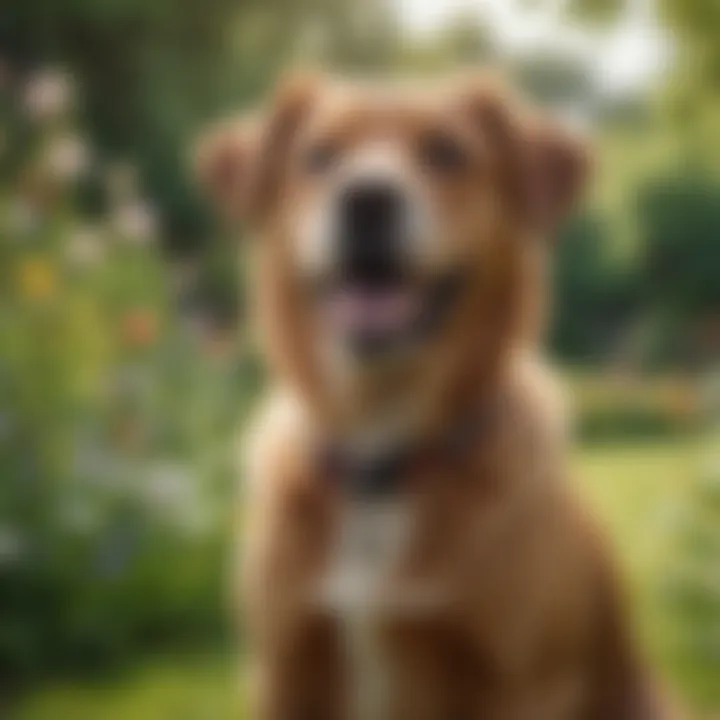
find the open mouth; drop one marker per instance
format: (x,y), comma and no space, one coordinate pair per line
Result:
(375,317)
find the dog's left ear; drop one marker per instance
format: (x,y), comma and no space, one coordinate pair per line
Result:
(541,166)
(240,163)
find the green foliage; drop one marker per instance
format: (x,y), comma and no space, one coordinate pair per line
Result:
(691,590)
(196,687)
(594,295)
(680,223)
(617,407)
(629,485)
(116,421)
(154,70)
(146,68)
(596,11)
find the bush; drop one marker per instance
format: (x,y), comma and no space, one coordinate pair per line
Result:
(679,218)
(619,406)
(595,298)
(117,413)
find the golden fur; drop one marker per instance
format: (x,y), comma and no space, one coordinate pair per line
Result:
(525,620)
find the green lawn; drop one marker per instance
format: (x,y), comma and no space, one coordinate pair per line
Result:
(633,486)
(201,688)
(636,490)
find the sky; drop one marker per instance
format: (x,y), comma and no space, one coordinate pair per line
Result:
(625,58)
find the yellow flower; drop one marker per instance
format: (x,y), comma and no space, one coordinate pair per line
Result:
(37,279)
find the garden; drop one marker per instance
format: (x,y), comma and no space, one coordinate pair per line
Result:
(126,368)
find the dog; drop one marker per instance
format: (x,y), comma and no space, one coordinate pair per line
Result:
(411,548)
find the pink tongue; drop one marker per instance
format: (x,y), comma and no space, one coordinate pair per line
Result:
(378,311)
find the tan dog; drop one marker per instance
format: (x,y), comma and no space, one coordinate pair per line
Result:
(411,549)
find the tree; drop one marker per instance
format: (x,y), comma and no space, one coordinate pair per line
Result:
(679,219)
(595,299)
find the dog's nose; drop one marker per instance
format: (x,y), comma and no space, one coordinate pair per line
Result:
(371,222)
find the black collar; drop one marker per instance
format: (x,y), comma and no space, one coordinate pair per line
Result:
(383,474)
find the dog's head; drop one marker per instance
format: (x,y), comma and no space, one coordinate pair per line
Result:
(389,217)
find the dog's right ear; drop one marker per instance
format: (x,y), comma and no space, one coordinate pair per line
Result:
(542,166)
(240,164)
(224,161)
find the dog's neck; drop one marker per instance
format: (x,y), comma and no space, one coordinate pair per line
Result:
(384,453)
(384,426)
(365,450)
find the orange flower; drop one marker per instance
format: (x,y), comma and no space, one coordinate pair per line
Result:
(140,328)
(37,279)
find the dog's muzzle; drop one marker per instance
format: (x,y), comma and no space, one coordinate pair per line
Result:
(376,300)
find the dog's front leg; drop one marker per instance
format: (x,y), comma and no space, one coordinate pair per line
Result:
(626,693)
(271,692)
(300,680)
(296,671)
(620,686)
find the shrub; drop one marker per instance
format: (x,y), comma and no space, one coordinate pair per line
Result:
(116,412)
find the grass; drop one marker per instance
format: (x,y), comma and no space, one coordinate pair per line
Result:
(633,487)
(187,688)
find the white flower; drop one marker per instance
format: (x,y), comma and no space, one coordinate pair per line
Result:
(49,95)
(136,222)
(67,158)
(11,545)
(85,248)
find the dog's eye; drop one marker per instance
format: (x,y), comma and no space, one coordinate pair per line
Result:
(442,153)
(319,157)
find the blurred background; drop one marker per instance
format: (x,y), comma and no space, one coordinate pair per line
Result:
(125,374)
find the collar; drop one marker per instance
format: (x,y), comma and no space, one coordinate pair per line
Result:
(385,473)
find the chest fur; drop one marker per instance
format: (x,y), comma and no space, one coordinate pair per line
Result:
(372,540)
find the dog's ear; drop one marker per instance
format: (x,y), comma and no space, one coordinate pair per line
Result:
(224,161)
(541,166)
(240,163)
(557,173)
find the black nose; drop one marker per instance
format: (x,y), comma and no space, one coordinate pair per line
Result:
(371,226)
